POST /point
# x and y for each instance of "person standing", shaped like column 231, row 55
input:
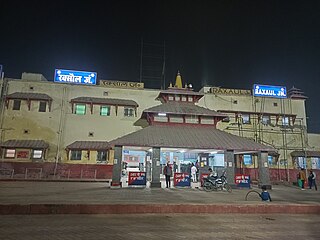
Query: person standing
column 302, row 176
column 167, row 171
column 194, row 173
column 312, row 180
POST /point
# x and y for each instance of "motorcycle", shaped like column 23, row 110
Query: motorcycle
column 212, row 183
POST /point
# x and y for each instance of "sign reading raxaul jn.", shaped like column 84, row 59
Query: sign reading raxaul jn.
column 229, row 91
column 269, row 91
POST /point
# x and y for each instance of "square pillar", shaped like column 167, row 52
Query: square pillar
column 264, row 176
column 117, row 167
column 229, row 166
column 156, row 168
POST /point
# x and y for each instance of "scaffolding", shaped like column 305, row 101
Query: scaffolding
column 153, row 64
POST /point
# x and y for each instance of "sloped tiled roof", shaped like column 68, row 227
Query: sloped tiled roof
column 107, row 101
column 31, row 96
column 180, row 91
column 33, row 144
column 182, row 108
column 196, row 137
column 305, row 153
column 89, row 145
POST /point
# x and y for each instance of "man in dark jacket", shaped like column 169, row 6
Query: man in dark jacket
column 167, row 171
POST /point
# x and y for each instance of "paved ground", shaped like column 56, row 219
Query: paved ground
column 19, row 192
column 159, row 226
column 34, row 197
column 53, row 200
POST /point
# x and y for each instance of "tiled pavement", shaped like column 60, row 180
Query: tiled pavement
column 35, row 197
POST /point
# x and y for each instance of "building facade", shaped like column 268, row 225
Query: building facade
column 58, row 129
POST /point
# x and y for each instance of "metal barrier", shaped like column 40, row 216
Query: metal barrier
column 6, row 172
column 28, row 170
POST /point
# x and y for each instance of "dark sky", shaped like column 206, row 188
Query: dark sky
column 222, row 43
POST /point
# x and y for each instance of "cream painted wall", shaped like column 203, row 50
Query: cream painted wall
column 285, row 140
column 62, row 126
column 314, row 142
column 47, row 125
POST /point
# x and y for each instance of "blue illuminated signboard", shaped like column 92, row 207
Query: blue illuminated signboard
column 269, row 91
column 76, row 77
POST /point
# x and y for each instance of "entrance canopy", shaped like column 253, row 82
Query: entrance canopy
column 191, row 137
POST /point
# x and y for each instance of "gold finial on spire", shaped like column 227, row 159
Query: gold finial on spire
column 170, row 86
column 178, row 81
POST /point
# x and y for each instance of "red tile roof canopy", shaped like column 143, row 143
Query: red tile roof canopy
column 105, row 101
column 192, row 137
column 184, row 109
column 305, row 154
column 31, row 144
column 88, row 145
column 29, row 97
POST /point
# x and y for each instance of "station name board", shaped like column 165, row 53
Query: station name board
column 75, row 77
column 229, row 91
column 122, row 84
column 269, row 91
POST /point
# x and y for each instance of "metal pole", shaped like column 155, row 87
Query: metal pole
column 59, row 131
column 141, row 54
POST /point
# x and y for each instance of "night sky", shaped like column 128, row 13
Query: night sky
column 232, row 44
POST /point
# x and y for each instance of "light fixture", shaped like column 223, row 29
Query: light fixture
column 162, row 114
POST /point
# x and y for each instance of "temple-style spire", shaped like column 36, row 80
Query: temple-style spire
column 178, row 81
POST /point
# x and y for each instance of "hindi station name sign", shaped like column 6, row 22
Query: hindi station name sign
column 75, row 77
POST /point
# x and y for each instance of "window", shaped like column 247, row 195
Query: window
column 270, row 160
column 105, row 111
column 183, row 98
column 247, row 159
column 80, row 109
column 37, row 154
column 285, row 121
column 246, row 119
column 16, row 104
column 10, row 153
column 265, row 120
column 170, row 98
column 91, row 134
column 275, row 104
column 235, row 101
column 75, row 155
column 42, row 106
column 101, row 156
column 177, row 98
column 128, row 112
column 190, row 99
